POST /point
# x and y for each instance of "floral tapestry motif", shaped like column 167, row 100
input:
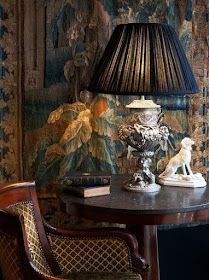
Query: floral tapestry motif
column 9, row 158
column 68, row 128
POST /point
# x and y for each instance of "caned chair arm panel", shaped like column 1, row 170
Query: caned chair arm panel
column 134, row 261
column 91, row 254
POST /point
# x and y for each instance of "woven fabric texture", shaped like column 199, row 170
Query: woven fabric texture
column 37, row 256
column 91, row 254
column 9, row 258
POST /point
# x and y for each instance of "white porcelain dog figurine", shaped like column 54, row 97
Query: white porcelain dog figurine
column 182, row 159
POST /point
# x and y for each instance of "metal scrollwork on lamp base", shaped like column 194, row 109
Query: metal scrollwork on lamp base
column 143, row 132
column 144, row 180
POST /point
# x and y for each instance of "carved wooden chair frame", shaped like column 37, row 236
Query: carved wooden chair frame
column 14, row 225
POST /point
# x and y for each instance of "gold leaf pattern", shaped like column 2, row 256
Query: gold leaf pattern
column 65, row 109
column 79, row 130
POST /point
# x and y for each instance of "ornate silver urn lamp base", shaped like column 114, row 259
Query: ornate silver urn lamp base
column 143, row 132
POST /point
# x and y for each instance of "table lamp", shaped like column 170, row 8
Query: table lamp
column 143, row 59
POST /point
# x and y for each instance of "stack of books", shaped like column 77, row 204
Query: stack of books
column 87, row 184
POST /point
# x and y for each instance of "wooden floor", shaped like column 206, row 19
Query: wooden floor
column 184, row 253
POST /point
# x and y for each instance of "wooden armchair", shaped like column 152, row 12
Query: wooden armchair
column 32, row 249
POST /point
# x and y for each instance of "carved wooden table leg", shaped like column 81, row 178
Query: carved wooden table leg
column 148, row 245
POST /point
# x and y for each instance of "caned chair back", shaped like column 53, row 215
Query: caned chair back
column 21, row 199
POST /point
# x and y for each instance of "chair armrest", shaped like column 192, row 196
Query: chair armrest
column 107, row 249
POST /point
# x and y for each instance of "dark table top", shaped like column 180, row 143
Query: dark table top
column 167, row 201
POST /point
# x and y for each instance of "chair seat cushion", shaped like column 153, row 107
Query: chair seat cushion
column 101, row 276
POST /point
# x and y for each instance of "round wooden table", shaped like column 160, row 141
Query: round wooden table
column 142, row 212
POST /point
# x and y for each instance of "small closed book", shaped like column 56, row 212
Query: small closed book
column 86, row 179
column 88, row 191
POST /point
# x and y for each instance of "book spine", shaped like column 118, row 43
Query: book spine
column 87, row 181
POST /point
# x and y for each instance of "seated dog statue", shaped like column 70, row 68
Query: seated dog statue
column 182, row 159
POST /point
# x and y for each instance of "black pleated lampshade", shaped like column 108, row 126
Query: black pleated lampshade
column 144, row 59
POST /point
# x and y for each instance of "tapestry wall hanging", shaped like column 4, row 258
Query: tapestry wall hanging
column 63, row 126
